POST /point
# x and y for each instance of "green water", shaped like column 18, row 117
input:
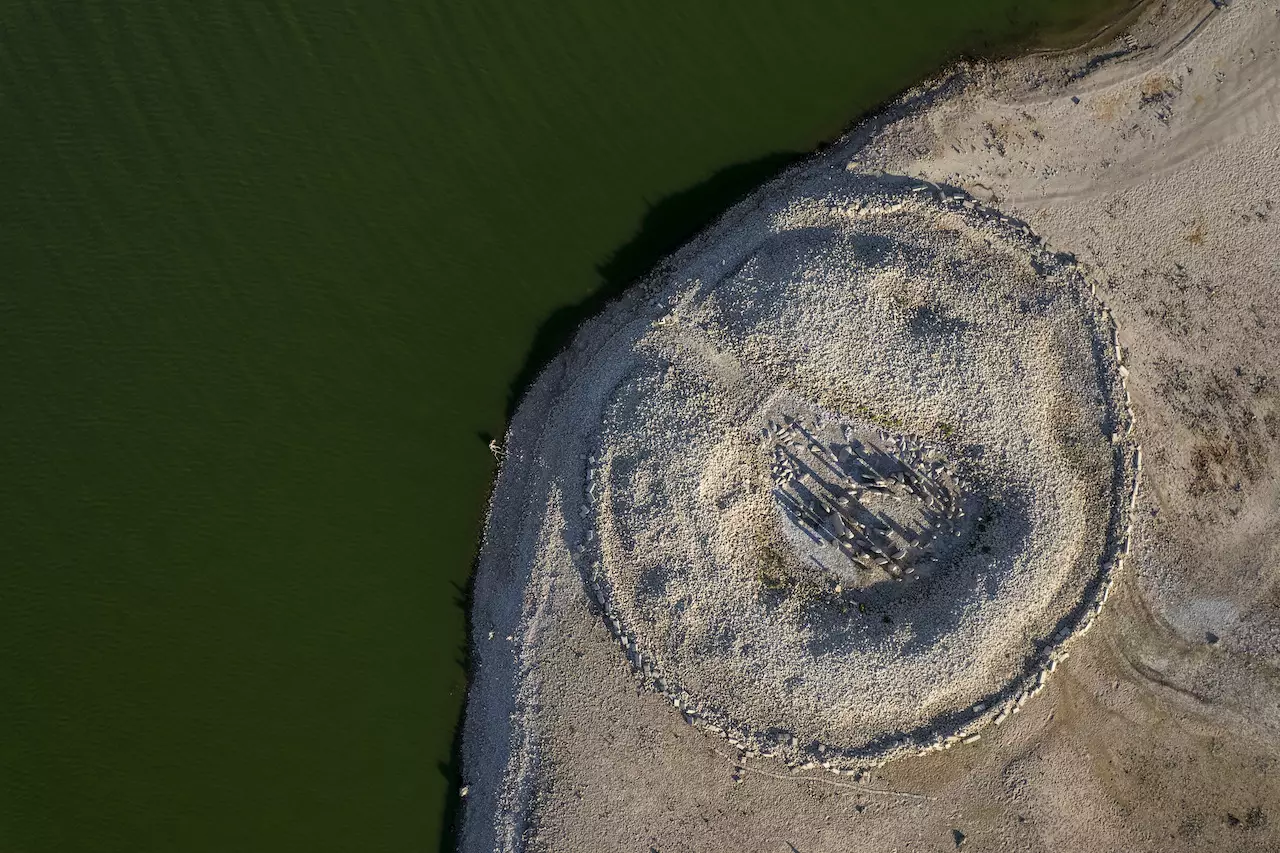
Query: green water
column 271, row 274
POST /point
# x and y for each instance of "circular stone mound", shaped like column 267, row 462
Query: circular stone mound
column 865, row 472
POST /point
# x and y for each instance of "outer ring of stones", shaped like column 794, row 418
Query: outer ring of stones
column 942, row 733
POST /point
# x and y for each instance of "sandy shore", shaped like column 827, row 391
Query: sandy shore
column 684, row 640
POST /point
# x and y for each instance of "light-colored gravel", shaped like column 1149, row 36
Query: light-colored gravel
column 842, row 345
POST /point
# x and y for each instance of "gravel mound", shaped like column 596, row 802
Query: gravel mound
column 866, row 470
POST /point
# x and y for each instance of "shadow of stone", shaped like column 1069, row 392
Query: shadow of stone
column 667, row 226
column 832, row 632
column 930, row 322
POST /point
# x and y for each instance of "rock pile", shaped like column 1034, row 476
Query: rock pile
column 882, row 501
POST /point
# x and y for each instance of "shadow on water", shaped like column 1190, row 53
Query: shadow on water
column 667, row 225
column 451, row 770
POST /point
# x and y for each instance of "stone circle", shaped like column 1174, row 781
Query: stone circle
column 867, row 470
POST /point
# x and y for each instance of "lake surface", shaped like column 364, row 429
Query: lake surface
column 273, row 274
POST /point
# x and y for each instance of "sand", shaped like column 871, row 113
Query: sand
column 926, row 500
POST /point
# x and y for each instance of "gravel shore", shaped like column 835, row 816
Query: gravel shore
column 805, row 542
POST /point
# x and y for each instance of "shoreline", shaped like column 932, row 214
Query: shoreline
column 518, row 589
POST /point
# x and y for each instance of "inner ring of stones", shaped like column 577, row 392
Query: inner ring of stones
column 862, row 503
